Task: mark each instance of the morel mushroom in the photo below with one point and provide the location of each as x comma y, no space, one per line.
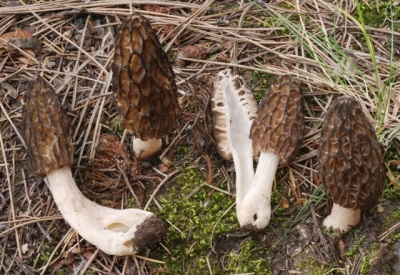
144,86
277,132
234,109
50,149
351,162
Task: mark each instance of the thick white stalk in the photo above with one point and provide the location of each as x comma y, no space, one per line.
113,231
342,219
145,149
243,161
255,208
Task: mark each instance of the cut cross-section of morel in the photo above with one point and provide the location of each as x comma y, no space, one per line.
234,109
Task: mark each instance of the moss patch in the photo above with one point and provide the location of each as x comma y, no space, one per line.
198,215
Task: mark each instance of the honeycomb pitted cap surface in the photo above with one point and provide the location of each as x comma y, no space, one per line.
46,129
143,81
279,125
350,156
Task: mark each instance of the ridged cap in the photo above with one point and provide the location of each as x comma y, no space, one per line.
351,160
143,81
279,126
46,129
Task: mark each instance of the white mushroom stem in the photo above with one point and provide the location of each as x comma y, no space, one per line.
145,149
111,230
255,208
234,108
342,219
243,162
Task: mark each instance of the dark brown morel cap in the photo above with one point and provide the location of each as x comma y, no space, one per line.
148,233
350,156
144,82
46,129
279,126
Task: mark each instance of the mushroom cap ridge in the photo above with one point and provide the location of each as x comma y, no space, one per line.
46,129
143,81
351,161
279,125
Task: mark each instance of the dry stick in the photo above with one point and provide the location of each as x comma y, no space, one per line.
77,61
235,43
26,192
177,137
11,196
88,101
49,262
83,65
188,22
26,222
92,6
317,228
12,125
126,180
149,259
125,267
158,188
24,53
97,128
43,70
4,241
385,234
63,36
88,262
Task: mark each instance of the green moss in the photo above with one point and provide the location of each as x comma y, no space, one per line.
183,151
392,218
313,267
244,261
367,259
382,18
354,249
45,254
287,6
116,126
392,189
263,80
197,215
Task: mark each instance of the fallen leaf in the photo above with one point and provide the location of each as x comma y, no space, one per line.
10,90
284,203
24,248
26,60
18,33
27,43
302,201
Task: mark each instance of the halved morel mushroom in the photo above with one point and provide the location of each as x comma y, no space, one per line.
47,134
277,133
352,167
234,109
144,85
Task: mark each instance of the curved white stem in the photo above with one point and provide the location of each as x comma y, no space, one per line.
255,208
116,232
342,219
243,161
145,149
